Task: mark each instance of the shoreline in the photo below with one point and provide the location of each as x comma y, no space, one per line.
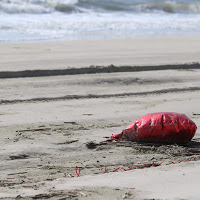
96,70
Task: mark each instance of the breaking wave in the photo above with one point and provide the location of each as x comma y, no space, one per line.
76,6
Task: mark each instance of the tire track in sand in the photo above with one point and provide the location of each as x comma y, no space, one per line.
95,96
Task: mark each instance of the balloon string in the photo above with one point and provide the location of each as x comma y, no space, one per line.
139,167
78,171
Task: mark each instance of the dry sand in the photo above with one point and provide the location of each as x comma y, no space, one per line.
47,121
64,54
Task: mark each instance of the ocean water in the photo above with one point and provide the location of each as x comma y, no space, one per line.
27,20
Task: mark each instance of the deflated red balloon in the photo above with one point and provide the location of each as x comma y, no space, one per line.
163,127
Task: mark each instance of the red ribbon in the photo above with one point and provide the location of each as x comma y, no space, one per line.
78,171
140,167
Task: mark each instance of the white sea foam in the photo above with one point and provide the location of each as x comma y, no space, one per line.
94,19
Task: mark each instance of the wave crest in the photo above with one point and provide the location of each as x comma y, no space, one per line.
170,7
69,6
37,6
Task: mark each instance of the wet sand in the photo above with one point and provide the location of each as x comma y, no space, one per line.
47,121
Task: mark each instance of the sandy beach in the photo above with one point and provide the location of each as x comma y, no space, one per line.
57,97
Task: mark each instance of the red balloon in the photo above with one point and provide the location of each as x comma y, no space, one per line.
163,127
